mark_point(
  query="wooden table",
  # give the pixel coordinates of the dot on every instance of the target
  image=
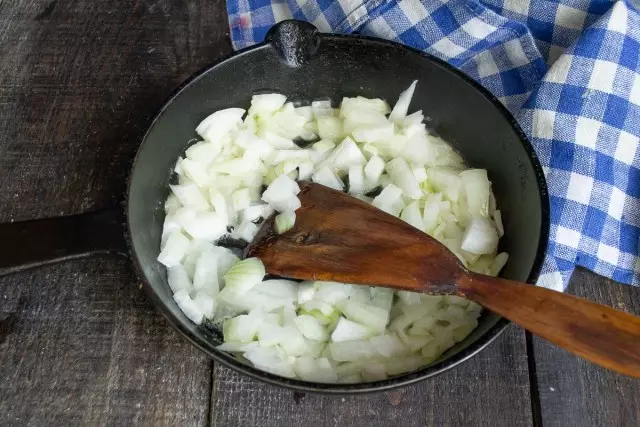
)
(80, 343)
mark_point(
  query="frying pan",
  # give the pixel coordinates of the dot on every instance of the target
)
(298, 61)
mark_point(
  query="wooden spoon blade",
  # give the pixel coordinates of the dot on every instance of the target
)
(337, 237)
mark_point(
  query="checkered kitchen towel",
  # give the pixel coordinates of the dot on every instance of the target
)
(567, 69)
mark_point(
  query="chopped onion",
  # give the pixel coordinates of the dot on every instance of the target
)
(480, 237)
(174, 249)
(244, 275)
(328, 178)
(497, 218)
(190, 195)
(346, 330)
(402, 106)
(498, 263)
(219, 124)
(206, 226)
(417, 148)
(402, 176)
(329, 127)
(205, 277)
(374, 133)
(311, 328)
(323, 331)
(178, 279)
(351, 350)
(477, 188)
(203, 152)
(284, 221)
(345, 155)
(206, 303)
(371, 316)
(246, 231)
(306, 292)
(267, 103)
(356, 180)
(315, 370)
(188, 306)
(270, 360)
(389, 200)
(373, 170)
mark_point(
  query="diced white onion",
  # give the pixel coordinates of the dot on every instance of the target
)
(328, 178)
(399, 111)
(188, 306)
(284, 221)
(323, 332)
(480, 237)
(174, 249)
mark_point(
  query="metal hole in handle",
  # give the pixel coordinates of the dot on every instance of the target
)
(295, 41)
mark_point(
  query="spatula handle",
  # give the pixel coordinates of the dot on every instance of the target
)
(600, 334)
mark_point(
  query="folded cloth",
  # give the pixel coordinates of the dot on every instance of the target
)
(566, 69)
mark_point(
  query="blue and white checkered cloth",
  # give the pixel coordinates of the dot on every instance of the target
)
(568, 71)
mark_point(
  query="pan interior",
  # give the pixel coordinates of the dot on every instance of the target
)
(344, 66)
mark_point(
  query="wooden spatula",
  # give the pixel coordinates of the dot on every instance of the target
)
(339, 238)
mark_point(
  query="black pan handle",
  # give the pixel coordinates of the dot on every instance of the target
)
(296, 42)
(39, 242)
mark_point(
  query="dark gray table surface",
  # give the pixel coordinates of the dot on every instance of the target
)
(81, 344)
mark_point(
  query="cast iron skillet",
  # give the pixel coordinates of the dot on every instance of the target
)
(299, 62)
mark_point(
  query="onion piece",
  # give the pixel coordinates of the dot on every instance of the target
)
(269, 360)
(311, 328)
(497, 218)
(178, 279)
(205, 278)
(399, 111)
(243, 276)
(206, 303)
(351, 350)
(267, 103)
(315, 370)
(219, 124)
(188, 306)
(480, 237)
(373, 170)
(206, 226)
(402, 176)
(306, 292)
(356, 180)
(190, 195)
(174, 249)
(328, 178)
(329, 127)
(477, 189)
(498, 263)
(347, 330)
(284, 221)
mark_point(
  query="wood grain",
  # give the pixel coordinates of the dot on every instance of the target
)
(600, 334)
(79, 83)
(576, 393)
(81, 345)
(490, 390)
(339, 238)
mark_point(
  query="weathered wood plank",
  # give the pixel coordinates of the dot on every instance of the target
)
(79, 82)
(574, 392)
(80, 344)
(79, 85)
(491, 389)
